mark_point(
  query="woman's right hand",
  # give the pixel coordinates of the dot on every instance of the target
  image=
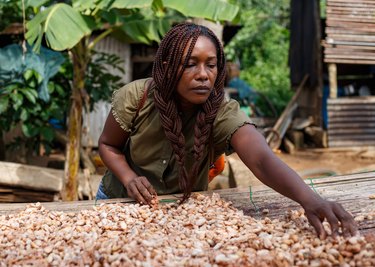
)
(140, 189)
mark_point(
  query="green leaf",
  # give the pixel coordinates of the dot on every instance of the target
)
(4, 101)
(17, 100)
(216, 10)
(47, 133)
(129, 4)
(158, 8)
(24, 115)
(83, 5)
(62, 26)
(36, 3)
(146, 30)
(28, 74)
(30, 94)
(28, 130)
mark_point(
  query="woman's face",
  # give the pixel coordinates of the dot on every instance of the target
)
(198, 78)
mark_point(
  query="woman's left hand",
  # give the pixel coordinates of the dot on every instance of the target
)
(319, 209)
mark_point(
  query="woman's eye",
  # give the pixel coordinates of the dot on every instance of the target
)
(189, 65)
(211, 66)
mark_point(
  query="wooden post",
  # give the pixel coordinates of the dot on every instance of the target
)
(332, 73)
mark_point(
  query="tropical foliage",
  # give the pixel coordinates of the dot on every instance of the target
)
(261, 47)
(35, 91)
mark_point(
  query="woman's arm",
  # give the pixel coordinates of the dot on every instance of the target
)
(253, 150)
(111, 143)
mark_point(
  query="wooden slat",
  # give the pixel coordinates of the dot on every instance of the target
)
(353, 124)
(349, 61)
(330, 30)
(349, 107)
(345, 19)
(351, 2)
(348, 47)
(349, 11)
(359, 37)
(41, 179)
(356, 119)
(359, 51)
(352, 131)
(351, 113)
(350, 25)
(352, 137)
(349, 143)
(341, 56)
(351, 100)
(369, 5)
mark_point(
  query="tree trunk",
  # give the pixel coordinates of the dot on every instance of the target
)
(2, 147)
(72, 155)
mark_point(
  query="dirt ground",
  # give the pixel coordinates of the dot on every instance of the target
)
(307, 163)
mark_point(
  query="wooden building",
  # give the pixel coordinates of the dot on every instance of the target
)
(350, 40)
(336, 51)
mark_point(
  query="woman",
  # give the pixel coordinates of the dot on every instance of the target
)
(173, 126)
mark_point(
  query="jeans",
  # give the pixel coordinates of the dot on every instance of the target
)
(100, 194)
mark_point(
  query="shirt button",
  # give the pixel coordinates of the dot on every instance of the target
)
(164, 161)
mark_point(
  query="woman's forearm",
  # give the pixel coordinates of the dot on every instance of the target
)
(277, 175)
(115, 161)
(253, 150)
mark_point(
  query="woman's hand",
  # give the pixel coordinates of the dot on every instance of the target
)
(319, 209)
(140, 189)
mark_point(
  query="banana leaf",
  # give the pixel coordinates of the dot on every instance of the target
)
(14, 64)
(62, 25)
(215, 10)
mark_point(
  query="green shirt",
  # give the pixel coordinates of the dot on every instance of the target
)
(148, 151)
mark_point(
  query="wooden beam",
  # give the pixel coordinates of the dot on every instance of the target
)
(41, 179)
(332, 73)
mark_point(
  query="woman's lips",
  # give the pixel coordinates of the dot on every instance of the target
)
(201, 89)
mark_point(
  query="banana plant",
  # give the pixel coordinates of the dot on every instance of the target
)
(71, 26)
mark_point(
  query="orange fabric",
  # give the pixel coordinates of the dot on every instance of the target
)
(217, 168)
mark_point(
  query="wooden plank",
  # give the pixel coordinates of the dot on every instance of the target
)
(330, 30)
(351, 113)
(13, 195)
(345, 119)
(352, 2)
(350, 16)
(41, 179)
(350, 25)
(283, 122)
(360, 37)
(351, 137)
(345, 19)
(359, 52)
(349, 143)
(351, 107)
(369, 5)
(348, 47)
(32, 177)
(361, 11)
(341, 56)
(351, 131)
(349, 61)
(352, 100)
(351, 125)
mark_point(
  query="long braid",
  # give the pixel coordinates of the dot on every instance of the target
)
(166, 76)
(207, 115)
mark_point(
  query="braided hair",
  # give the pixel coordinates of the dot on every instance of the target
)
(166, 75)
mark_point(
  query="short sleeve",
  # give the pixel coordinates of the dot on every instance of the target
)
(125, 103)
(228, 120)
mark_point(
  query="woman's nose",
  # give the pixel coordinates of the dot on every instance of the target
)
(202, 73)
